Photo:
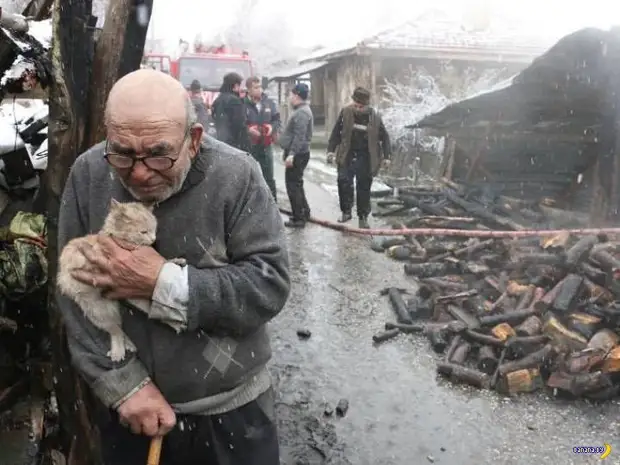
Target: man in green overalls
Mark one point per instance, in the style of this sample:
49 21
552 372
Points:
263 120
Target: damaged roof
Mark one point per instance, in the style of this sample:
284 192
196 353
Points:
560 86
542 133
297 71
438 31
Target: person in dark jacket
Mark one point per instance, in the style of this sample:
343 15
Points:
295 141
229 113
263 120
361 145
195 90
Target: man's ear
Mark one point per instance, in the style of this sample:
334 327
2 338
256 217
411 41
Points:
196 133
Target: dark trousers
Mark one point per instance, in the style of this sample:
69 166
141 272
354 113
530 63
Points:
294 179
264 156
246 436
356 167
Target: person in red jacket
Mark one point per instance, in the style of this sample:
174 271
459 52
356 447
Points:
263 121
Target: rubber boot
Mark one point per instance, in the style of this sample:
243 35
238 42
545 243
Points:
345 217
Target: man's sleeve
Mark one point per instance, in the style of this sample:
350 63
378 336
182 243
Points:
336 135
299 127
111 381
384 136
170 297
238 124
240 297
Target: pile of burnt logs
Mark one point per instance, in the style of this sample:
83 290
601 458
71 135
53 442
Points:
513 315
456 207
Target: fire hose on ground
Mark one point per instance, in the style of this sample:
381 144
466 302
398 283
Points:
456 232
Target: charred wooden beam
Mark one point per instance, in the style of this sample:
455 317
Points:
464 375
482 212
38 9
580 251
398 305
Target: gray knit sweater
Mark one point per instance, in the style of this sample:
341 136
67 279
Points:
225 223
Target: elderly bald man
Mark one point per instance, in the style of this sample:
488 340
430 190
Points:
206 387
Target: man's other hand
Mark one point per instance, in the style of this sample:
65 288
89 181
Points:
147 412
288 162
268 129
121 273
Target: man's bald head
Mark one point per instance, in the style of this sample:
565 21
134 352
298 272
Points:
145 95
150 115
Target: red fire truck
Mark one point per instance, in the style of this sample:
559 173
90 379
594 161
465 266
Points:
208 65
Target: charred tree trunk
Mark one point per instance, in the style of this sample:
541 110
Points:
118 52
82 81
72 50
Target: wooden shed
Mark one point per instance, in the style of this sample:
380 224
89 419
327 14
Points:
551 135
429 40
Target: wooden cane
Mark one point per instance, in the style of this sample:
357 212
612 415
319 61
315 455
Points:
154 451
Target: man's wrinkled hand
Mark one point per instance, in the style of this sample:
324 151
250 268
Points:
147 412
331 157
289 161
122 273
254 131
385 164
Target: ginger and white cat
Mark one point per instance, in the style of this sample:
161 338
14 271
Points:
132 222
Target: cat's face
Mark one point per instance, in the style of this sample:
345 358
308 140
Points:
133 222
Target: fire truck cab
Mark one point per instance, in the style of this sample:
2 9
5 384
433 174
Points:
158 62
207 64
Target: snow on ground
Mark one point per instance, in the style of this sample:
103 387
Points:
20 66
42 32
18 109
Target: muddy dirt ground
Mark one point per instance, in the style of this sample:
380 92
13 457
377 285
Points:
399 412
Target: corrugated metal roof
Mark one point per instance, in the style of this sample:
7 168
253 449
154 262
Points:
440 30
297 71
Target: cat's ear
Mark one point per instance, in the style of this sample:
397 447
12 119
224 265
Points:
150 206
114 203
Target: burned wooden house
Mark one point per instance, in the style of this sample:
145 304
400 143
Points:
430 41
550 135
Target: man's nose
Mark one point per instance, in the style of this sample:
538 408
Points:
140 173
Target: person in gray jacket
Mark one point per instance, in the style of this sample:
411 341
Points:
215 210
202 113
295 141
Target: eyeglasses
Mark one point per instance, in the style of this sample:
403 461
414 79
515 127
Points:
127 162
155 163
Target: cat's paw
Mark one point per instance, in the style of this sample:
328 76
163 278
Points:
117 347
179 261
116 354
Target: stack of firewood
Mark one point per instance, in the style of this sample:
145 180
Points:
509 314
